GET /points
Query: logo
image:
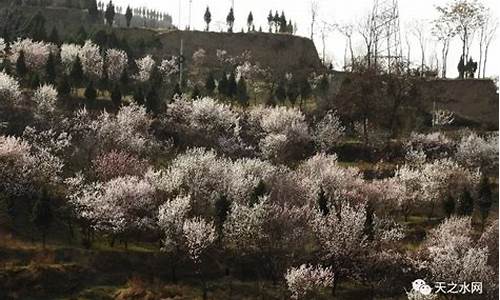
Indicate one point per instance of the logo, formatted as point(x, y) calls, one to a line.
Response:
point(421, 287)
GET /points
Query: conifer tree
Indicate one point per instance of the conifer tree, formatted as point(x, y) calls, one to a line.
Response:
point(21, 69)
point(116, 96)
point(270, 21)
point(323, 202)
point(449, 205)
point(210, 84)
point(128, 16)
point(232, 86)
point(63, 86)
point(465, 205)
point(222, 87)
point(76, 73)
point(242, 92)
point(109, 14)
point(90, 91)
point(54, 36)
point(230, 20)
point(250, 21)
point(485, 199)
point(280, 92)
point(42, 215)
point(208, 18)
point(50, 69)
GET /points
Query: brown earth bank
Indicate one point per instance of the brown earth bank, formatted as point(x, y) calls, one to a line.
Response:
point(279, 52)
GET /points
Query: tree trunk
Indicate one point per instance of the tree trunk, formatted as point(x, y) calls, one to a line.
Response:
point(485, 58)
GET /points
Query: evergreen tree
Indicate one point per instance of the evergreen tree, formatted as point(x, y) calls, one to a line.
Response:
point(280, 92)
point(270, 21)
point(276, 22)
point(259, 191)
point(232, 86)
point(42, 215)
point(54, 36)
point(90, 91)
point(124, 79)
point(292, 92)
point(223, 85)
point(449, 205)
point(109, 14)
point(81, 35)
point(177, 90)
point(76, 73)
point(250, 21)
point(289, 27)
point(50, 69)
point(485, 199)
point(210, 84)
point(128, 16)
point(195, 94)
point(305, 91)
point(282, 21)
point(153, 101)
point(222, 207)
point(21, 69)
point(460, 68)
point(36, 27)
point(230, 20)
point(323, 202)
point(465, 204)
point(92, 9)
point(63, 86)
point(34, 81)
point(242, 92)
point(324, 85)
point(208, 18)
point(139, 96)
point(116, 96)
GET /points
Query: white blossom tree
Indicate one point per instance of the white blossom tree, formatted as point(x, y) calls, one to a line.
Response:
point(451, 254)
point(36, 54)
point(10, 91)
point(69, 53)
point(45, 98)
point(305, 279)
point(116, 63)
point(282, 131)
point(474, 151)
point(328, 131)
point(92, 61)
point(145, 66)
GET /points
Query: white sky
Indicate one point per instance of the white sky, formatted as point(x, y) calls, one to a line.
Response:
point(331, 11)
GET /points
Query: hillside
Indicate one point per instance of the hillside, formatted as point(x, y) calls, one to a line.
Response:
point(473, 100)
point(281, 53)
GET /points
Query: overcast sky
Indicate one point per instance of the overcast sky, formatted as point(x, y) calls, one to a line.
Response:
point(330, 12)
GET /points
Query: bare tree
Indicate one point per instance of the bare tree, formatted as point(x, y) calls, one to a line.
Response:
point(487, 34)
point(325, 31)
point(444, 33)
point(370, 34)
point(347, 31)
point(314, 14)
point(466, 16)
point(408, 50)
point(419, 31)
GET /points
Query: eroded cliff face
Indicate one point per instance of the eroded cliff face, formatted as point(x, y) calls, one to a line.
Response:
point(281, 53)
point(474, 100)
